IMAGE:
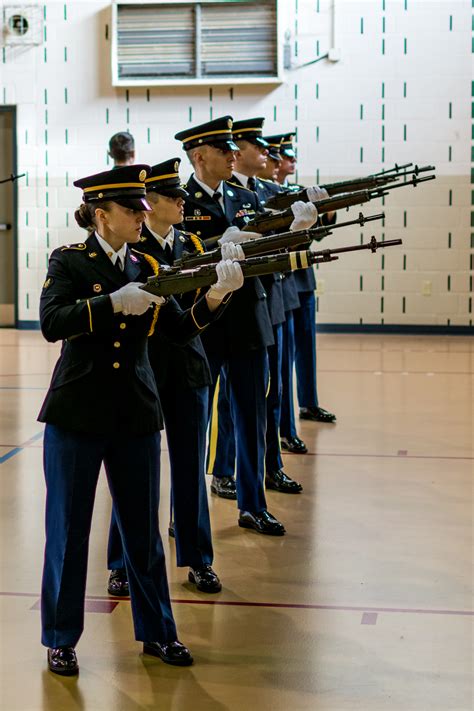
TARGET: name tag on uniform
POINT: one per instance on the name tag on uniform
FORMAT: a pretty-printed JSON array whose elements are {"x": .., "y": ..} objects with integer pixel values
[
  {"x": 198, "y": 217},
  {"x": 244, "y": 213}
]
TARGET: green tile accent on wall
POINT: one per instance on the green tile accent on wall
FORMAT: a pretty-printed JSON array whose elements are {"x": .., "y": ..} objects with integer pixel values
[
  {"x": 450, "y": 110},
  {"x": 383, "y": 46},
  {"x": 361, "y": 154},
  {"x": 190, "y": 115},
  {"x": 26, "y": 136},
  {"x": 449, "y": 282},
  {"x": 383, "y": 261},
  {"x": 361, "y": 25},
  {"x": 381, "y": 304},
  {"x": 317, "y": 134},
  {"x": 148, "y": 135},
  {"x": 45, "y": 96},
  {"x": 383, "y": 90},
  {"x": 450, "y": 23},
  {"x": 361, "y": 283},
  {"x": 383, "y": 24},
  {"x": 66, "y": 135},
  {"x": 383, "y": 132},
  {"x": 148, "y": 94},
  {"x": 382, "y": 284},
  {"x": 404, "y": 132},
  {"x": 404, "y": 262},
  {"x": 450, "y": 152},
  {"x": 404, "y": 218},
  {"x": 404, "y": 304},
  {"x": 317, "y": 94},
  {"x": 65, "y": 54},
  {"x": 65, "y": 11},
  {"x": 361, "y": 112},
  {"x": 383, "y": 112},
  {"x": 450, "y": 240},
  {"x": 383, "y": 154},
  {"x": 65, "y": 95},
  {"x": 67, "y": 179},
  {"x": 450, "y": 198},
  {"x": 405, "y": 46},
  {"x": 296, "y": 92},
  {"x": 128, "y": 116},
  {"x": 106, "y": 116},
  {"x": 404, "y": 90}
]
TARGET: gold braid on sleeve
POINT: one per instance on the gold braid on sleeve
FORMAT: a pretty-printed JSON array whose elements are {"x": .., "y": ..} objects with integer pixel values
[
  {"x": 199, "y": 247},
  {"x": 156, "y": 307}
]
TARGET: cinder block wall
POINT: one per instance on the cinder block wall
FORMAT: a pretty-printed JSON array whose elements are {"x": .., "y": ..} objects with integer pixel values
[{"x": 402, "y": 92}]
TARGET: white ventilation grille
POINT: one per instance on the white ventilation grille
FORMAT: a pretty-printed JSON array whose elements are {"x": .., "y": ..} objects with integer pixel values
[{"x": 195, "y": 41}]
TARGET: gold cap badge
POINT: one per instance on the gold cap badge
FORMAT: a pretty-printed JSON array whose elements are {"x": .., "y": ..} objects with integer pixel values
[
  {"x": 142, "y": 175},
  {"x": 176, "y": 165},
  {"x": 229, "y": 123}
]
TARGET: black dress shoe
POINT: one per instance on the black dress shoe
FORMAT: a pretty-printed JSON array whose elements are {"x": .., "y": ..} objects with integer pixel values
[
  {"x": 224, "y": 487},
  {"x": 171, "y": 530},
  {"x": 279, "y": 481},
  {"x": 262, "y": 522},
  {"x": 170, "y": 652},
  {"x": 205, "y": 579},
  {"x": 63, "y": 660},
  {"x": 295, "y": 445},
  {"x": 316, "y": 414},
  {"x": 118, "y": 583}
]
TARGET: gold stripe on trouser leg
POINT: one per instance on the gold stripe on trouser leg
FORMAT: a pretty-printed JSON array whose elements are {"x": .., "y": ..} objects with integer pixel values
[
  {"x": 264, "y": 458},
  {"x": 214, "y": 428}
]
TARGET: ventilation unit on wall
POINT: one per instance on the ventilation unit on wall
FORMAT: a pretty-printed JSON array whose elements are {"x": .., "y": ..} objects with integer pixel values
[
  {"x": 155, "y": 42},
  {"x": 22, "y": 24}
]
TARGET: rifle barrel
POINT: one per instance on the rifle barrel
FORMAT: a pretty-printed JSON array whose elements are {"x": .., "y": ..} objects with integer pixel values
[{"x": 178, "y": 282}]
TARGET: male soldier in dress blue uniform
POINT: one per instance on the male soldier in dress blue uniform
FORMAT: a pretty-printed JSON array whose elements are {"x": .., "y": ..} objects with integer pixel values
[
  {"x": 183, "y": 378},
  {"x": 240, "y": 339},
  {"x": 305, "y": 316},
  {"x": 251, "y": 159},
  {"x": 122, "y": 149},
  {"x": 102, "y": 407}
]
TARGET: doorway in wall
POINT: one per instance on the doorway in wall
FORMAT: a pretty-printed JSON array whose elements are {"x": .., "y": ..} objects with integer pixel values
[{"x": 8, "y": 218}]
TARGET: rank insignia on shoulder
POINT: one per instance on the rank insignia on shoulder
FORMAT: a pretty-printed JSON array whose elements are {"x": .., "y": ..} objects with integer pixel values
[
  {"x": 48, "y": 282},
  {"x": 198, "y": 194},
  {"x": 97, "y": 288},
  {"x": 79, "y": 246}
]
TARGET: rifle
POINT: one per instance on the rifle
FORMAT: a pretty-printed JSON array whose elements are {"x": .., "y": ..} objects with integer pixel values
[
  {"x": 268, "y": 222},
  {"x": 12, "y": 178},
  {"x": 173, "y": 280},
  {"x": 273, "y": 243},
  {"x": 370, "y": 182}
]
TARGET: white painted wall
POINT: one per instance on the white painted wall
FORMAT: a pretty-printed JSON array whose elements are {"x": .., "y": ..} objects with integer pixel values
[{"x": 401, "y": 92}]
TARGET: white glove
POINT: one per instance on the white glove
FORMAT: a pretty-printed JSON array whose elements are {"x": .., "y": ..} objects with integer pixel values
[
  {"x": 316, "y": 193},
  {"x": 305, "y": 214},
  {"x": 229, "y": 278},
  {"x": 233, "y": 234},
  {"x": 131, "y": 300},
  {"x": 229, "y": 250}
]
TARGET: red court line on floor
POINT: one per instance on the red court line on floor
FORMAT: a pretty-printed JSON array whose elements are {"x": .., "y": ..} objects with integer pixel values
[{"x": 290, "y": 605}]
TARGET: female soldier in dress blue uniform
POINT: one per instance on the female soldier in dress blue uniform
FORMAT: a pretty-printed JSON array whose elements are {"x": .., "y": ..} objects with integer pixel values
[{"x": 102, "y": 407}]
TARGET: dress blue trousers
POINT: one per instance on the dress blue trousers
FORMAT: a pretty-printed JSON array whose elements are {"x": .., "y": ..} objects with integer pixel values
[
  {"x": 72, "y": 463},
  {"x": 287, "y": 414},
  {"x": 305, "y": 350},
  {"x": 185, "y": 412}
]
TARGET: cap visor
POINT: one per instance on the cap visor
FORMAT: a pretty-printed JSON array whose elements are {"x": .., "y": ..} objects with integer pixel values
[
  {"x": 275, "y": 156},
  {"x": 261, "y": 142},
  {"x": 288, "y": 152},
  {"x": 134, "y": 204},
  {"x": 171, "y": 192}
]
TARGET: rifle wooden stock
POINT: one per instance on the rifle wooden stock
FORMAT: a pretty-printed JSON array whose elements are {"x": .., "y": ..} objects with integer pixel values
[
  {"x": 267, "y": 222},
  {"x": 274, "y": 243},
  {"x": 174, "y": 281},
  {"x": 370, "y": 182}
]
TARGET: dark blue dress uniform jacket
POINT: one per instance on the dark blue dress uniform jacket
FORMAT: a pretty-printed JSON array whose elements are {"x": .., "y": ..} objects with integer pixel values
[
  {"x": 246, "y": 323},
  {"x": 271, "y": 282},
  {"x": 103, "y": 382},
  {"x": 186, "y": 365}
]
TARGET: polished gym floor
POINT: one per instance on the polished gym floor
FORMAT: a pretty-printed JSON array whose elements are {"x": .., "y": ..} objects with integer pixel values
[{"x": 364, "y": 605}]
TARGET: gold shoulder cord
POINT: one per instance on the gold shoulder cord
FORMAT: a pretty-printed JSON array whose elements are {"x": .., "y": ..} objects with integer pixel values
[
  {"x": 156, "y": 307},
  {"x": 200, "y": 250}
]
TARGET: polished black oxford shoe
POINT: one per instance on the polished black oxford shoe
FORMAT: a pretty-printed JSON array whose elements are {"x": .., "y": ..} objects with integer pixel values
[
  {"x": 316, "y": 414},
  {"x": 224, "y": 487},
  {"x": 262, "y": 522},
  {"x": 294, "y": 445},
  {"x": 205, "y": 579},
  {"x": 63, "y": 660},
  {"x": 118, "y": 583},
  {"x": 279, "y": 481},
  {"x": 170, "y": 652}
]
